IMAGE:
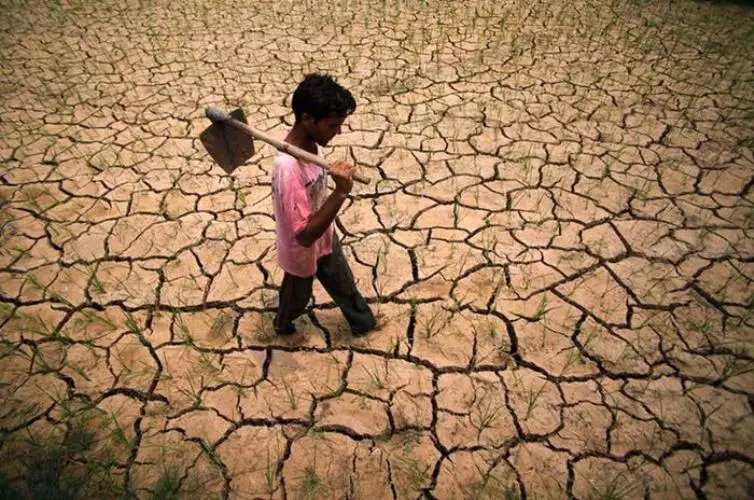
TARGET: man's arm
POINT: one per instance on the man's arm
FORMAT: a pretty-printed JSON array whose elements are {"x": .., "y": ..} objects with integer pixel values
[
  {"x": 321, "y": 220},
  {"x": 342, "y": 173}
]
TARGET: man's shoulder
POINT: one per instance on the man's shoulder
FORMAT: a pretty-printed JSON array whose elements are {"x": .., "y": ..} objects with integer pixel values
[
  {"x": 284, "y": 160},
  {"x": 284, "y": 166}
]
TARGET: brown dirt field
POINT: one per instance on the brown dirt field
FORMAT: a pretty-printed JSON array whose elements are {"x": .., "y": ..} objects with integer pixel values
[{"x": 557, "y": 239}]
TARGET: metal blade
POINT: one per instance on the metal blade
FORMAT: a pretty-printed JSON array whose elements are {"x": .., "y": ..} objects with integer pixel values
[{"x": 228, "y": 146}]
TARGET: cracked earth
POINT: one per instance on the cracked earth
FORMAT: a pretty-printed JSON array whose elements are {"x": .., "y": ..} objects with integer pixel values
[{"x": 557, "y": 240}]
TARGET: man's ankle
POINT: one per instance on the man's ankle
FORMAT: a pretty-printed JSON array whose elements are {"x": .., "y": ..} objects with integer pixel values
[
  {"x": 287, "y": 330},
  {"x": 358, "y": 332}
]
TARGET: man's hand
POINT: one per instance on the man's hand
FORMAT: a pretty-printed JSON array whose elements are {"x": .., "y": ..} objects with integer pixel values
[{"x": 342, "y": 174}]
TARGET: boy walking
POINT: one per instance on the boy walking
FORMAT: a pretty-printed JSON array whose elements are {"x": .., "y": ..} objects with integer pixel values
[{"x": 307, "y": 245}]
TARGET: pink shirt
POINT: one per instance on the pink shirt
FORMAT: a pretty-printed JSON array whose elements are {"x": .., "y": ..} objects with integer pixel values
[{"x": 299, "y": 190}]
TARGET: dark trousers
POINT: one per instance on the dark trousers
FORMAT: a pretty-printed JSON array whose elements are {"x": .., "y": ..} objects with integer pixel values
[{"x": 335, "y": 275}]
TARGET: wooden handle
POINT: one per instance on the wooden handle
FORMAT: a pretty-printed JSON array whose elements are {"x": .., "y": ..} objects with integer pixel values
[{"x": 289, "y": 148}]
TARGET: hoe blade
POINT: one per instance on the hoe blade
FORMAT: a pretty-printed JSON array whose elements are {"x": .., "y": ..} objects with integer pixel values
[{"x": 228, "y": 146}]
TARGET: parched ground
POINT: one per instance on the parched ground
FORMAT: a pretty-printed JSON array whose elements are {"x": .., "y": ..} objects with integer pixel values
[{"x": 557, "y": 239}]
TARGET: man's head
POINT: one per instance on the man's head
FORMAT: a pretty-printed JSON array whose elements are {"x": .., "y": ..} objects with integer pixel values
[{"x": 321, "y": 106}]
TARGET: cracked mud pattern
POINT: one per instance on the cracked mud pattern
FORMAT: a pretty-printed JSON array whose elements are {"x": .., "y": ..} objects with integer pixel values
[{"x": 557, "y": 239}]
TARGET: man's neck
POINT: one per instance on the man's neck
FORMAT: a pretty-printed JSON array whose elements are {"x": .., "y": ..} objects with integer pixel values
[{"x": 300, "y": 138}]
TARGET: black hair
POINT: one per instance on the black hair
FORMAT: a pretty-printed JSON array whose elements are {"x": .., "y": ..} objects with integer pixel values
[{"x": 321, "y": 96}]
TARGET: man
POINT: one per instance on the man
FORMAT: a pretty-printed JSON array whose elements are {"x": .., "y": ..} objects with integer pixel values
[{"x": 307, "y": 245}]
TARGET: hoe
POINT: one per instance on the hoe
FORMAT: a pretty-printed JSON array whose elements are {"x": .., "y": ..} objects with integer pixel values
[{"x": 229, "y": 141}]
